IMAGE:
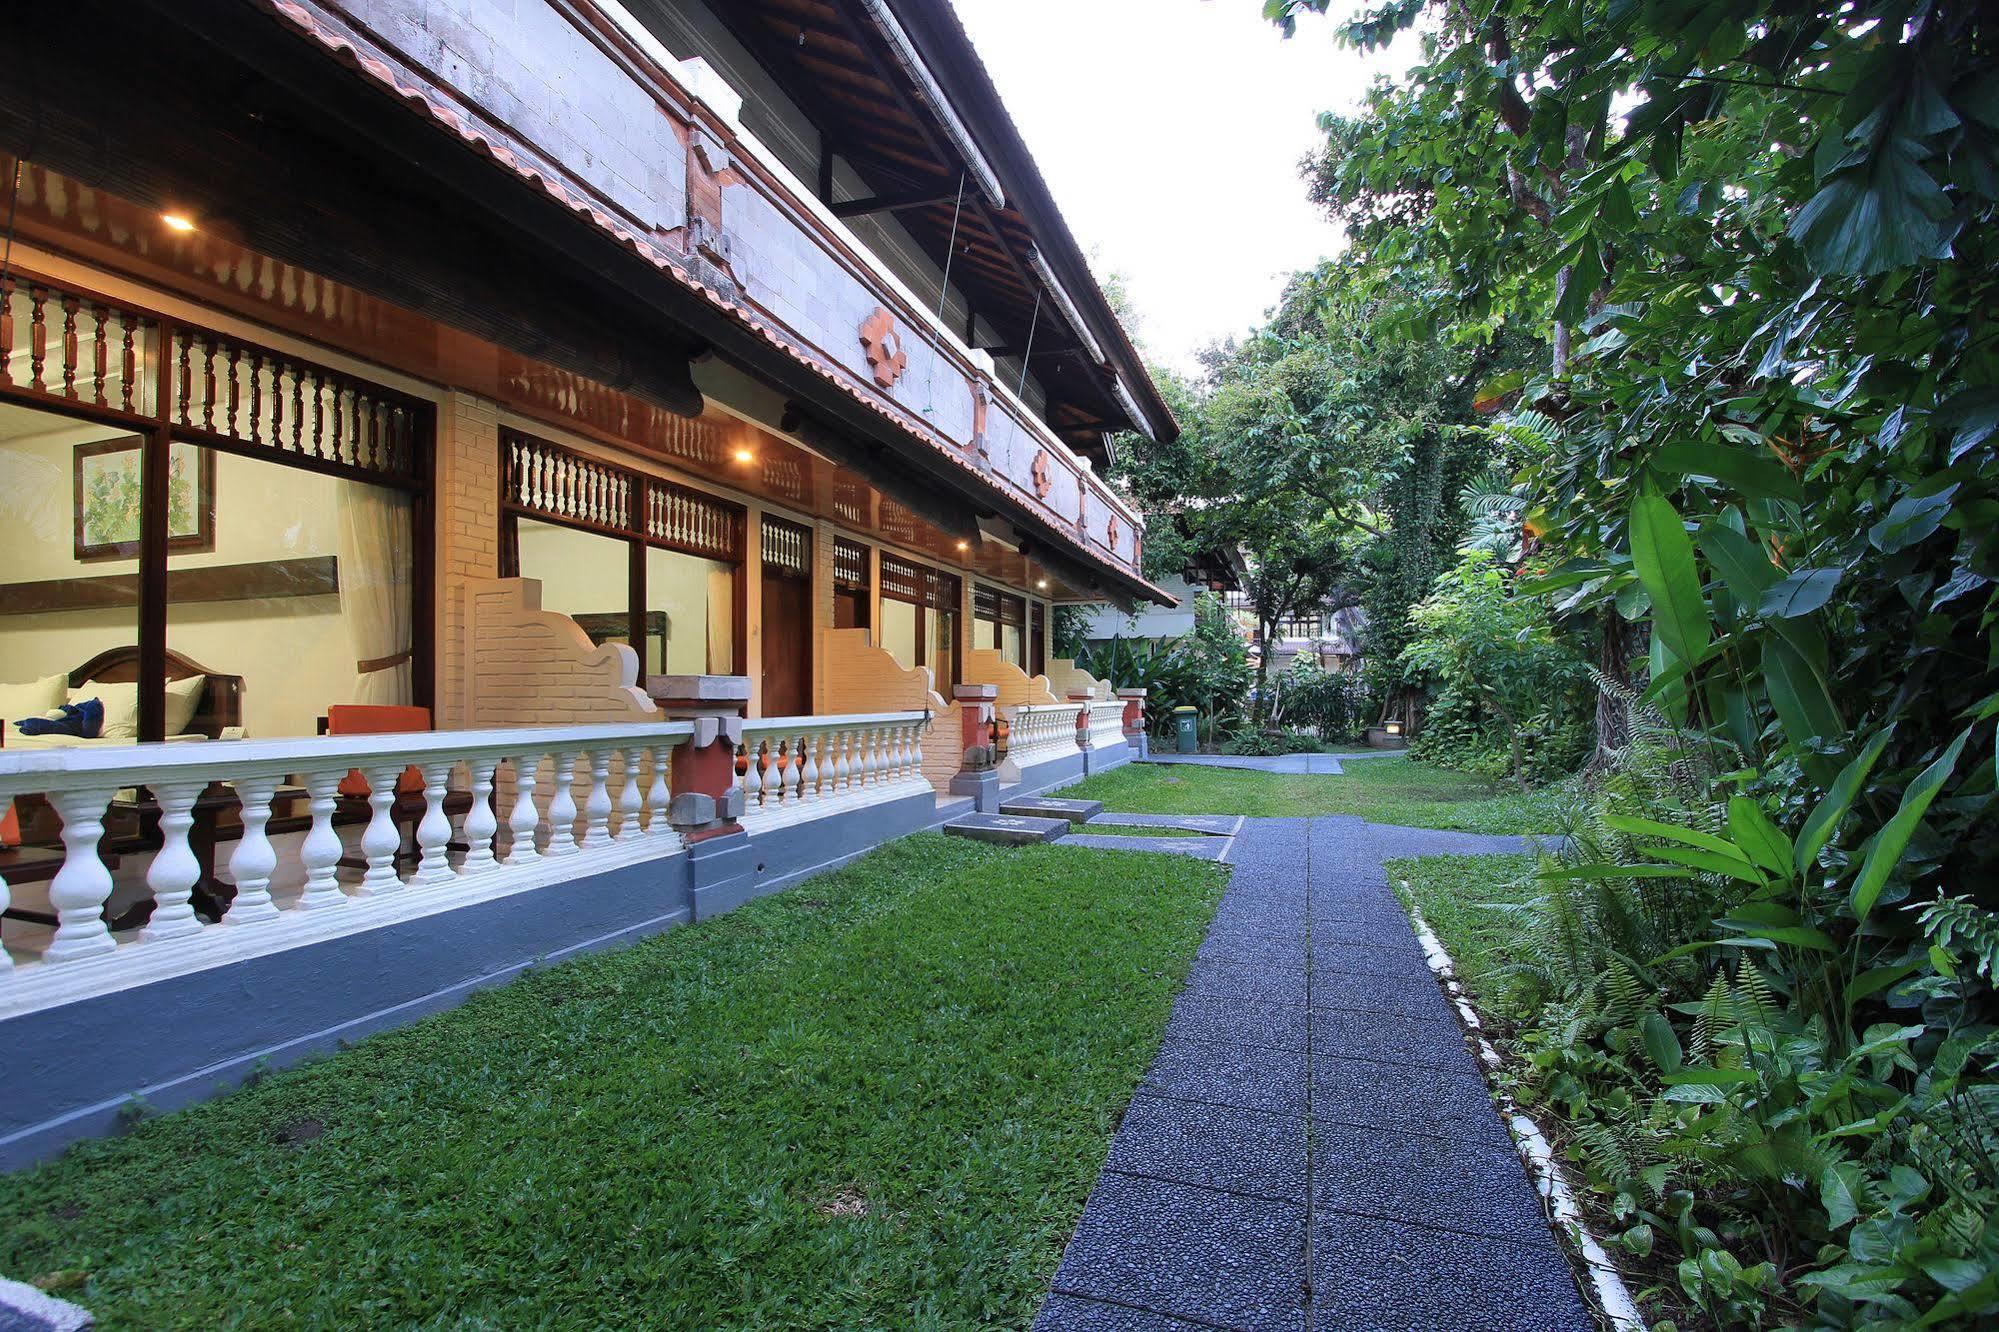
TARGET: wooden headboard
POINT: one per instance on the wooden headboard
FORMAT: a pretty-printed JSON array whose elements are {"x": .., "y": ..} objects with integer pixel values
[{"x": 221, "y": 702}]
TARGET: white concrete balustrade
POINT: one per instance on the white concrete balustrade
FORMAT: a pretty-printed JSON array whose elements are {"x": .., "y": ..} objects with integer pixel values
[
  {"x": 1106, "y": 725},
  {"x": 1036, "y": 733},
  {"x": 498, "y": 810},
  {"x": 797, "y": 768}
]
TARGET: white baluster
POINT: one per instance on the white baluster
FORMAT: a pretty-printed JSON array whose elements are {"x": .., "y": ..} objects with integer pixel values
[
  {"x": 251, "y": 863},
  {"x": 753, "y": 784},
  {"x": 433, "y": 834},
  {"x": 562, "y": 809},
  {"x": 525, "y": 818},
  {"x": 916, "y": 749},
  {"x": 381, "y": 839},
  {"x": 808, "y": 782},
  {"x": 871, "y": 766},
  {"x": 794, "y": 770},
  {"x": 321, "y": 850},
  {"x": 6, "y": 893},
  {"x": 175, "y": 870},
  {"x": 660, "y": 795},
  {"x": 597, "y": 805},
  {"x": 480, "y": 821},
  {"x": 628, "y": 798},
  {"x": 836, "y": 762},
  {"x": 82, "y": 884}
]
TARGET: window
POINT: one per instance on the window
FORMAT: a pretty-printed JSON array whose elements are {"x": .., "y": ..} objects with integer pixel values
[
  {"x": 631, "y": 558},
  {"x": 999, "y": 621},
  {"x": 919, "y": 609},
  {"x": 851, "y": 599},
  {"x": 205, "y": 535}
]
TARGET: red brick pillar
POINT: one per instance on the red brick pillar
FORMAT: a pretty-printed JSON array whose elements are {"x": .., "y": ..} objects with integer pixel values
[
  {"x": 1083, "y": 698},
  {"x": 1134, "y": 720},
  {"x": 978, "y": 763},
  {"x": 707, "y": 799}
]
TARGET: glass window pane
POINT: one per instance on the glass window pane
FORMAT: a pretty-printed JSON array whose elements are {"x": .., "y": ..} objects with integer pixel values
[
  {"x": 982, "y": 633},
  {"x": 301, "y": 585},
  {"x": 899, "y": 631},
  {"x": 1011, "y": 645},
  {"x": 943, "y": 661},
  {"x": 68, "y": 569},
  {"x": 584, "y": 575},
  {"x": 694, "y": 602}
]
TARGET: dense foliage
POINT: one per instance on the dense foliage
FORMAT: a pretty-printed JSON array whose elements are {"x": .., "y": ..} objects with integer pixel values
[
  {"x": 1207, "y": 670},
  {"x": 1761, "y": 477}
]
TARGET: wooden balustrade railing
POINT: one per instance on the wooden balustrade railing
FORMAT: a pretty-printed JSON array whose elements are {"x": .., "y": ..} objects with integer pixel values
[
  {"x": 489, "y": 804},
  {"x": 794, "y": 768}
]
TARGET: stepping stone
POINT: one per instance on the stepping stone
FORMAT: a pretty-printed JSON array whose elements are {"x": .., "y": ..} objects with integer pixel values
[
  {"x": 1006, "y": 829},
  {"x": 1048, "y": 807},
  {"x": 1215, "y": 825}
]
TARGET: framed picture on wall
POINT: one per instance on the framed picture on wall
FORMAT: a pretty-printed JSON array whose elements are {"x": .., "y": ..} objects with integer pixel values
[{"x": 107, "y": 488}]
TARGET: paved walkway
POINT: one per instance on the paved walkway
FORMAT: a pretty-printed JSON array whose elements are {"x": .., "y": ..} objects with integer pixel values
[{"x": 1314, "y": 1147}]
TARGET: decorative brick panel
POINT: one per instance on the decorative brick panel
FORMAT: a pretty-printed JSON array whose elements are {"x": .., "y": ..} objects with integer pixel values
[{"x": 529, "y": 667}]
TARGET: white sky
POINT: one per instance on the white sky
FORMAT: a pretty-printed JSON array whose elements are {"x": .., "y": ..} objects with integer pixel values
[{"x": 1170, "y": 132}]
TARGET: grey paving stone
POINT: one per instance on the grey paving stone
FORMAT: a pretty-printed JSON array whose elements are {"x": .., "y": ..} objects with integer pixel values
[
  {"x": 1225, "y": 1018},
  {"x": 1066, "y": 1313},
  {"x": 1219, "y": 825},
  {"x": 1273, "y": 985},
  {"x": 1250, "y": 1077},
  {"x": 1395, "y": 932},
  {"x": 1198, "y": 848},
  {"x": 1254, "y": 934},
  {"x": 1053, "y": 807},
  {"x": 1196, "y": 1253},
  {"x": 1467, "y": 1184},
  {"x": 1404, "y": 1098},
  {"x": 1007, "y": 829},
  {"x": 1216, "y": 1147},
  {"x": 1399, "y": 959},
  {"x": 1395, "y": 843},
  {"x": 1262, "y": 948},
  {"x": 1391, "y": 1038},
  {"x": 1413, "y": 996},
  {"x": 1266, "y": 913},
  {"x": 1370, "y": 1274}
]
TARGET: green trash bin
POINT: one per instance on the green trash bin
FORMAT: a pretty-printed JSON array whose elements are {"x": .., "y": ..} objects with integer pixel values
[{"x": 1190, "y": 733}]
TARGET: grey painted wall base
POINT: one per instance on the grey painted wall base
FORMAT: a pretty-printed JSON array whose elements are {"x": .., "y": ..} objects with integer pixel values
[
  {"x": 72, "y": 1072},
  {"x": 1066, "y": 770},
  {"x": 1103, "y": 760},
  {"x": 982, "y": 786}
]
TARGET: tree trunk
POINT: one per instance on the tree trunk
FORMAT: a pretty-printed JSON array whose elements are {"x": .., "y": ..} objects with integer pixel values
[
  {"x": 1613, "y": 712},
  {"x": 1260, "y": 709}
]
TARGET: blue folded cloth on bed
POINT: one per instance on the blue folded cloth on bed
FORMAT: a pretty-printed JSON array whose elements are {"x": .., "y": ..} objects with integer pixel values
[{"x": 83, "y": 720}]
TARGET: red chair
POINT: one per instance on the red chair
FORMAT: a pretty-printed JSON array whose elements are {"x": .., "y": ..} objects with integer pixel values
[{"x": 377, "y": 719}]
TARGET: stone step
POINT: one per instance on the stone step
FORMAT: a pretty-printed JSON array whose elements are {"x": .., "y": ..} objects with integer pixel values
[
  {"x": 1007, "y": 829},
  {"x": 1048, "y": 807}
]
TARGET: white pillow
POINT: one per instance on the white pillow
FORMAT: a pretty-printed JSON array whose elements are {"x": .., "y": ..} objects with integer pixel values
[
  {"x": 121, "y": 705},
  {"x": 34, "y": 699}
]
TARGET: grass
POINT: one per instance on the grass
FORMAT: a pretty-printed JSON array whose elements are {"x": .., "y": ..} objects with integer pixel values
[
  {"x": 1137, "y": 830},
  {"x": 1458, "y": 896},
  {"x": 876, "y": 1100},
  {"x": 1399, "y": 791}
]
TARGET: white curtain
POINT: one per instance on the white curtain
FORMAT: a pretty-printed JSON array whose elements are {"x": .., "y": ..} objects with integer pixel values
[
  {"x": 721, "y": 620},
  {"x": 377, "y": 555}
]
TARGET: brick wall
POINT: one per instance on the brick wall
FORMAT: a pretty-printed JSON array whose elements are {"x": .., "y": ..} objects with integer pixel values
[
  {"x": 530, "y": 667},
  {"x": 468, "y": 533},
  {"x": 987, "y": 666},
  {"x": 860, "y": 677}
]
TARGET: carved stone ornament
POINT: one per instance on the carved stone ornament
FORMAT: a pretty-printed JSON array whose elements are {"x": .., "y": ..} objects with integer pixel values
[
  {"x": 1110, "y": 532},
  {"x": 884, "y": 347},
  {"x": 1043, "y": 483}
]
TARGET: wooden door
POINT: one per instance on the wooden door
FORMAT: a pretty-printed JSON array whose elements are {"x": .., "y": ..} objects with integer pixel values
[{"x": 787, "y": 636}]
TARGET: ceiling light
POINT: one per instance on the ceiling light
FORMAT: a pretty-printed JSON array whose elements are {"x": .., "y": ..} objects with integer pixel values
[
  {"x": 177, "y": 222},
  {"x": 964, "y": 545},
  {"x": 1041, "y": 584},
  {"x": 745, "y": 456}
]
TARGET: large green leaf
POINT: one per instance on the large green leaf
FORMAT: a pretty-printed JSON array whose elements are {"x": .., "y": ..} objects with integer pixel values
[
  {"x": 1800, "y": 593},
  {"x": 1663, "y": 555},
  {"x": 1803, "y": 699},
  {"x": 1879, "y": 215},
  {"x": 1744, "y": 566},
  {"x": 1633, "y": 826},
  {"x": 1825, "y": 817},
  {"x": 1885, "y": 851},
  {"x": 1756, "y": 475},
  {"x": 1754, "y": 833}
]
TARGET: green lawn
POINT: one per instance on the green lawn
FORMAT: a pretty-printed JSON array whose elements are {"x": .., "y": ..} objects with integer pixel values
[
  {"x": 1458, "y": 896},
  {"x": 876, "y": 1100},
  {"x": 1381, "y": 790}
]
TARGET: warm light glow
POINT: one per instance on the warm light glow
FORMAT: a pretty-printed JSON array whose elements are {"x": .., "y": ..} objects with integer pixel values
[
  {"x": 177, "y": 222},
  {"x": 1042, "y": 584},
  {"x": 745, "y": 456},
  {"x": 964, "y": 545},
  {"x": 1393, "y": 728}
]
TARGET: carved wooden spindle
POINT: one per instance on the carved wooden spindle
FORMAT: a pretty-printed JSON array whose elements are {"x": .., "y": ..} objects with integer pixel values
[
  {"x": 232, "y": 377},
  {"x": 597, "y": 805},
  {"x": 100, "y": 351},
  {"x": 69, "y": 347},
  {"x": 211, "y": 348},
  {"x": 340, "y": 439},
  {"x": 318, "y": 419},
  {"x": 38, "y": 337},
  {"x": 562, "y": 809},
  {"x": 297, "y": 443},
  {"x": 254, "y": 858},
  {"x": 433, "y": 833},
  {"x": 182, "y": 350},
  {"x": 660, "y": 794},
  {"x": 524, "y": 818},
  {"x": 175, "y": 868},
  {"x": 128, "y": 361},
  {"x": 320, "y": 852},
  {"x": 480, "y": 821},
  {"x": 381, "y": 839},
  {"x": 83, "y": 883},
  {"x": 629, "y": 801},
  {"x": 6, "y": 329}
]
